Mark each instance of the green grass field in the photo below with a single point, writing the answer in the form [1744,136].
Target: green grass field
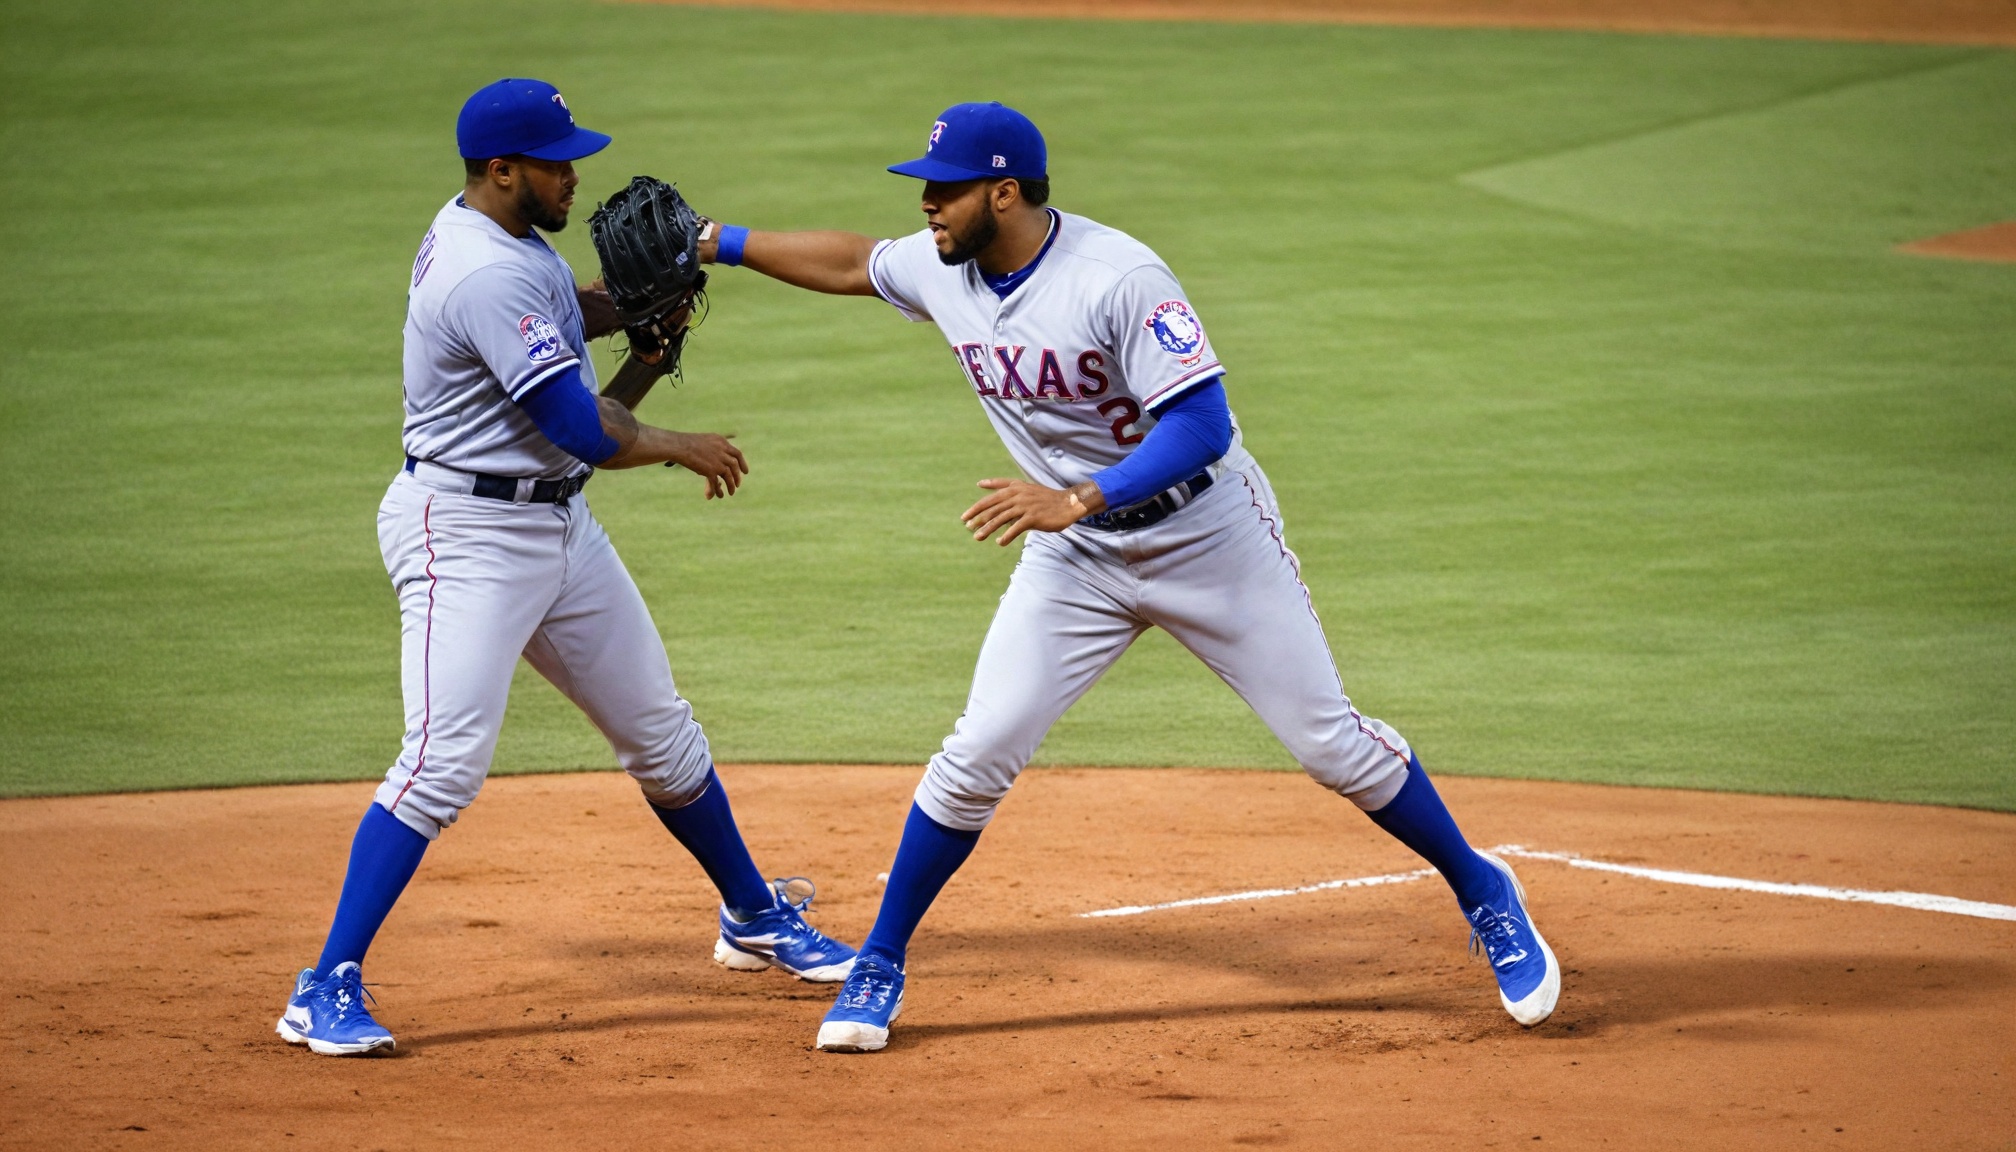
[1617,444]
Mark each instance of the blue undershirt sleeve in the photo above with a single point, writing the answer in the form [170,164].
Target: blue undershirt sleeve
[566,412]
[1190,432]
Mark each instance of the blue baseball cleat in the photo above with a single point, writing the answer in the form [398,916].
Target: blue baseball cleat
[868,1003]
[1529,978]
[329,1016]
[780,938]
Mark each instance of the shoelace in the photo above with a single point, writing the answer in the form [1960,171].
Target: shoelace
[346,998]
[868,983]
[1495,934]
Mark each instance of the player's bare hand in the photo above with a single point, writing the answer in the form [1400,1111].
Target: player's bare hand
[1013,507]
[713,458]
[598,311]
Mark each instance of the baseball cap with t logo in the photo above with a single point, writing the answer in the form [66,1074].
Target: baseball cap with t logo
[523,118]
[980,142]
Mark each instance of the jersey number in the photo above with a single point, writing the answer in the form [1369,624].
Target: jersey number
[1124,413]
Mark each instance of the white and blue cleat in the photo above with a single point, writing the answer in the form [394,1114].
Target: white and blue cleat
[1529,978]
[867,1005]
[780,938]
[329,1014]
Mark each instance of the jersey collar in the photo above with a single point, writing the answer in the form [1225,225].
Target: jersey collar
[1005,286]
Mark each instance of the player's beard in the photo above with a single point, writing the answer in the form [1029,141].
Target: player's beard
[534,211]
[976,239]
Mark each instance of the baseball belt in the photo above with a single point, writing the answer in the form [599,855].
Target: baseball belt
[1152,511]
[507,488]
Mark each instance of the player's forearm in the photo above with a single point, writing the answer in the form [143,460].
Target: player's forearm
[652,446]
[636,444]
[1086,499]
[711,457]
[832,262]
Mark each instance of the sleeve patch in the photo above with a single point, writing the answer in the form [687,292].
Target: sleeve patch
[542,339]
[1177,330]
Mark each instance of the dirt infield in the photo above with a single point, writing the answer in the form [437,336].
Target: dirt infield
[548,976]
[1995,243]
[1907,21]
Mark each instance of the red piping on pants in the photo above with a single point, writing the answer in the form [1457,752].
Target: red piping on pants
[426,658]
[1274,530]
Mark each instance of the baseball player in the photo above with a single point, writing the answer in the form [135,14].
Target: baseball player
[494,554]
[1140,508]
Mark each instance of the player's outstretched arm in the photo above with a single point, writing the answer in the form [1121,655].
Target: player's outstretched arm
[831,262]
[714,458]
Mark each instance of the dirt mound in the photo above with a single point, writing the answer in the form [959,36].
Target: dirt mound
[548,978]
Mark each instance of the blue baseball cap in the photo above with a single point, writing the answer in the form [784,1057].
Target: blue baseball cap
[980,142]
[522,118]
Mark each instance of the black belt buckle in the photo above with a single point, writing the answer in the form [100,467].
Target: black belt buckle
[561,491]
[557,491]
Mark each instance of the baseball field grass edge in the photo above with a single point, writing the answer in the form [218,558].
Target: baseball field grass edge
[1593,474]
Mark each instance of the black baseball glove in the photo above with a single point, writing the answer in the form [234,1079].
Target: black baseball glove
[648,238]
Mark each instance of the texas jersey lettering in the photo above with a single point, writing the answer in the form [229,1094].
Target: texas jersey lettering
[1068,366]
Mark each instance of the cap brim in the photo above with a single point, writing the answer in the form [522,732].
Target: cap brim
[581,142]
[926,168]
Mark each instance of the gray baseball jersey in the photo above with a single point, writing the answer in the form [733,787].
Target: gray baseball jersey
[1068,369]
[488,317]
[1069,366]
[482,582]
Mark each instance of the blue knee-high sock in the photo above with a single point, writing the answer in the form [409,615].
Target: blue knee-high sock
[1417,818]
[925,860]
[707,829]
[382,859]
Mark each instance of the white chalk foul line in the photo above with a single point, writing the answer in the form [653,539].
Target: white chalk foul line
[1263,894]
[1922,901]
